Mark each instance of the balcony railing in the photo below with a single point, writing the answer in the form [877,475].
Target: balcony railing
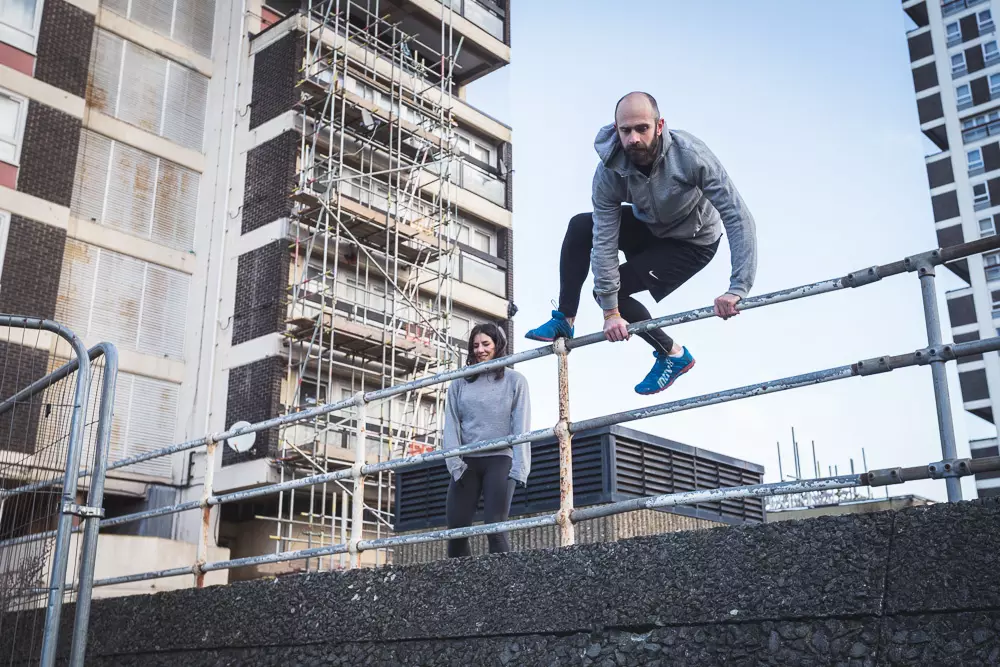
[955,6]
[484,13]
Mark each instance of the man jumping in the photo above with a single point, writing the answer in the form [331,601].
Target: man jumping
[677,199]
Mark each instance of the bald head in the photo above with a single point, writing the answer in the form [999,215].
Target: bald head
[638,122]
[638,101]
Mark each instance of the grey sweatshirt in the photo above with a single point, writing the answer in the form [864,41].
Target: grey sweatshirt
[688,196]
[486,409]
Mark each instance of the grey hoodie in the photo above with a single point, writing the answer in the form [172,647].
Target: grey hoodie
[687,196]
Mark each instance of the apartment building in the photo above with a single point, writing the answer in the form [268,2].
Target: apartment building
[955,59]
[263,205]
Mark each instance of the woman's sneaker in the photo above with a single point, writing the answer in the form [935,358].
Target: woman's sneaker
[557,327]
[665,371]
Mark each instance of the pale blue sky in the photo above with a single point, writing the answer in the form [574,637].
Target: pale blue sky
[810,107]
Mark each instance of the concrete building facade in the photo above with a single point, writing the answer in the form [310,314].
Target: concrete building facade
[157,168]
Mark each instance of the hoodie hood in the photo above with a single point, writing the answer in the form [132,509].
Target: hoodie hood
[613,156]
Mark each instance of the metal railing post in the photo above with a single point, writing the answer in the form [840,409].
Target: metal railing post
[357,472]
[567,535]
[206,514]
[939,373]
[95,499]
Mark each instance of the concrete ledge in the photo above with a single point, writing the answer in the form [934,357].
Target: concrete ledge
[795,592]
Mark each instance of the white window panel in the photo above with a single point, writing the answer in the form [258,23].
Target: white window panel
[953,32]
[188,22]
[13,112]
[134,192]
[164,312]
[994,85]
[975,158]
[963,96]
[144,89]
[144,420]
[991,264]
[138,306]
[958,64]
[19,21]
[987,228]
[981,196]
[985,20]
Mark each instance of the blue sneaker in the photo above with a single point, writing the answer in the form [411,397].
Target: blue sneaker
[557,327]
[665,370]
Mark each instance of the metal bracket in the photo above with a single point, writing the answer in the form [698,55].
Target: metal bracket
[885,477]
[950,468]
[873,366]
[863,277]
[923,263]
[84,511]
[927,355]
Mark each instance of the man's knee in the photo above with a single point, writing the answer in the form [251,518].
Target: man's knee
[581,224]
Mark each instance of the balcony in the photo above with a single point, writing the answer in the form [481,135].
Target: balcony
[955,6]
[480,24]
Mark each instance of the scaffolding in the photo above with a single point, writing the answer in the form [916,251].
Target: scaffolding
[373,254]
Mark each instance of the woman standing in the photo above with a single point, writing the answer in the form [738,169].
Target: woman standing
[480,407]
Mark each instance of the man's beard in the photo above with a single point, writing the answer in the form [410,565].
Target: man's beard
[643,156]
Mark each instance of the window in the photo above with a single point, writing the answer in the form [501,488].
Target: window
[985,19]
[991,264]
[958,65]
[19,23]
[996,305]
[987,228]
[981,196]
[981,126]
[12,114]
[482,242]
[995,85]
[991,53]
[479,274]
[963,95]
[975,158]
[953,33]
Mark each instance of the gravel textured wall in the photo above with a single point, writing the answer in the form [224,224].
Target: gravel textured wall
[912,587]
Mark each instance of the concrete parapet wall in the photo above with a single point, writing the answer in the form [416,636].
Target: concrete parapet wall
[915,586]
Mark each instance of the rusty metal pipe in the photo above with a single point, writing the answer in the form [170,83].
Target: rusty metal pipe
[567,535]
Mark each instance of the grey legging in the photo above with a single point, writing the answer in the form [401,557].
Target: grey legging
[489,476]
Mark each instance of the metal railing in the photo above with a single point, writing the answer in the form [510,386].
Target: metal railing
[48,425]
[936,354]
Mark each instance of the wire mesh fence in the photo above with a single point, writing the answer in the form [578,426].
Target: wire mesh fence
[51,428]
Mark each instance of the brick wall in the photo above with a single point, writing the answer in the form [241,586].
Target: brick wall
[48,154]
[261,281]
[275,71]
[21,366]
[64,41]
[31,267]
[270,176]
[255,395]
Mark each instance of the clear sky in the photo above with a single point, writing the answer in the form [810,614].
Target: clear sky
[810,107]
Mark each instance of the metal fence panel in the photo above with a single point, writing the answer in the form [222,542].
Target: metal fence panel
[54,421]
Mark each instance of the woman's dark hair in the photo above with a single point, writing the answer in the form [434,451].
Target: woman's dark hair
[499,339]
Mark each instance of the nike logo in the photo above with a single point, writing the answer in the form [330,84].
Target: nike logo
[654,275]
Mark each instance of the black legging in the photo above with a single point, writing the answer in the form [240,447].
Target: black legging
[489,476]
[672,261]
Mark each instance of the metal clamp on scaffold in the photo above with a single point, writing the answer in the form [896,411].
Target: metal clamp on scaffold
[82,511]
[923,263]
[873,366]
[952,468]
[929,354]
[863,277]
[885,477]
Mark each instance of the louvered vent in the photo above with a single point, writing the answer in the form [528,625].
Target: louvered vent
[146,90]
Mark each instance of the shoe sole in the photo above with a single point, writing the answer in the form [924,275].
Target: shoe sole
[667,386]
[544,340]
